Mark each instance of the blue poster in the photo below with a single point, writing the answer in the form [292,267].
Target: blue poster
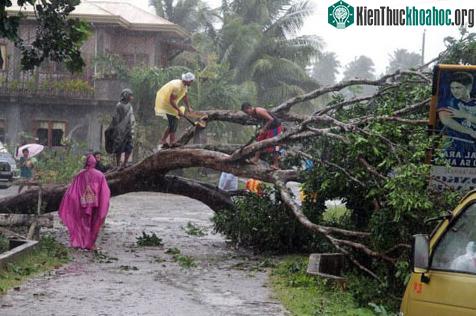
[456,115]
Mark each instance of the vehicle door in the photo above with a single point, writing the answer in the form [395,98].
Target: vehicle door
[450,287]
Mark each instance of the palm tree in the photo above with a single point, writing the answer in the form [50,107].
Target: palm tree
[326,68]
[259,41]
[401,59]
[361,67]
[192,15]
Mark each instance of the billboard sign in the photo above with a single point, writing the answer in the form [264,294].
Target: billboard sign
[453,117]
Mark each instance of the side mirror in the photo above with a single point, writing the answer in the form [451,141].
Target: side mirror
[421,253]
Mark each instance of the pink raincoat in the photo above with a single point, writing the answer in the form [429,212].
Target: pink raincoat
[85,205]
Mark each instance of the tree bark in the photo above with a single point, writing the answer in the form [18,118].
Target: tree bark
[215,198]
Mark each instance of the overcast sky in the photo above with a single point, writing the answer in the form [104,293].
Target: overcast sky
[374,42]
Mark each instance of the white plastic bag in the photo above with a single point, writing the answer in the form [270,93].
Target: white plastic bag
[228,182]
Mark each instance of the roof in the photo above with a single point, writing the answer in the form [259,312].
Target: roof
[118,12]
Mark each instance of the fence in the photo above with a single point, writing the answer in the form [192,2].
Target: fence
[27,84]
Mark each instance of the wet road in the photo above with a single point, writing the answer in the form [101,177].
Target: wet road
[8,191]
[130,280]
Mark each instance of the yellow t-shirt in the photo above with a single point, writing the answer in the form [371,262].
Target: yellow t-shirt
[162,99]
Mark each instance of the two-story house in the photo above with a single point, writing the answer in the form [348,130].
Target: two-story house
[50,104]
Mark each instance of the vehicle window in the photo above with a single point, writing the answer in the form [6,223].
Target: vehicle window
[4,166]
[456,251]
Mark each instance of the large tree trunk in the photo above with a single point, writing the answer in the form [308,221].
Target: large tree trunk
[52,194]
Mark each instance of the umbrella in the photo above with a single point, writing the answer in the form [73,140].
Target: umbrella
[34,149]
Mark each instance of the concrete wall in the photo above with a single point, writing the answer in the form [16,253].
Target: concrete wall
[83,121]
[108,89]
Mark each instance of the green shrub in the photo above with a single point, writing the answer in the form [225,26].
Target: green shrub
[266,224]
[60,166]
[366,290]
[53,249]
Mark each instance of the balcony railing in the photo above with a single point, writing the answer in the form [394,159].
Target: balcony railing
[45,85]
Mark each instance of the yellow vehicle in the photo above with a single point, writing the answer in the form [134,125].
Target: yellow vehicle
[443,282]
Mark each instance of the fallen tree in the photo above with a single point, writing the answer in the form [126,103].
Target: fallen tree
[367,150]
[26,203]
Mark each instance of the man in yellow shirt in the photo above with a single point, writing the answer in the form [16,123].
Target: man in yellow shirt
[166,104]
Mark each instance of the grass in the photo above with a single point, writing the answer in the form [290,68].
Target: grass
[48,255]
[306,295]
[4,243]
[185,262]
[194,230]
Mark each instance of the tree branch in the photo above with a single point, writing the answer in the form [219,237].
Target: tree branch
[286,106]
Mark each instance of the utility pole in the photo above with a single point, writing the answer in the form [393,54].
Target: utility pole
[423,48]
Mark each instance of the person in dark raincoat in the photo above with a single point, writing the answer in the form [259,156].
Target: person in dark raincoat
[122,128]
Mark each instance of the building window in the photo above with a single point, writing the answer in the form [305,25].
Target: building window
[50,133]
[142,60]
[129,60]
[3,57]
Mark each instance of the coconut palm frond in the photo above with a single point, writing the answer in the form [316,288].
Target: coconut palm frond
[291,21]
[158,7]
[263,65]
[283,91]
[300,49]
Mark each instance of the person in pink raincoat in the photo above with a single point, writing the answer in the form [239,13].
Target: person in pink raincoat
[85,205]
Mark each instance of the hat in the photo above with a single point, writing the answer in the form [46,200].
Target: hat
[188,76]
[125,94]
